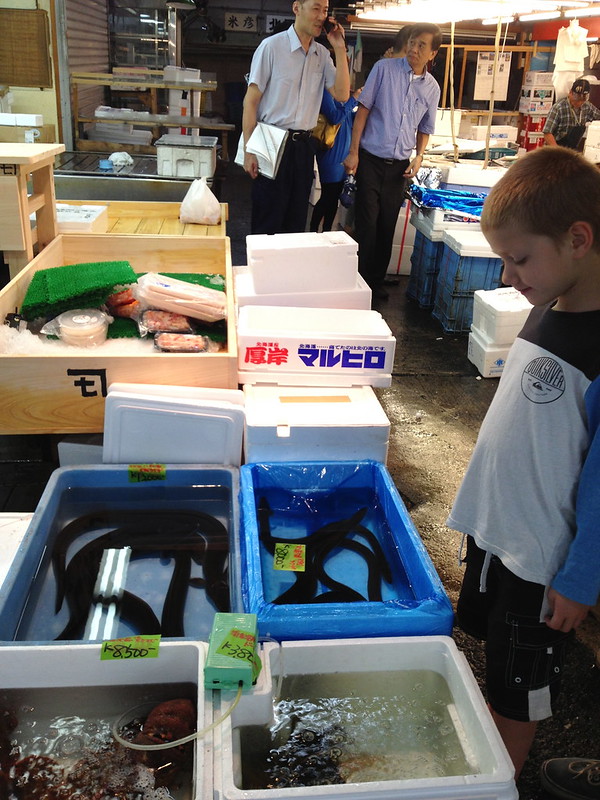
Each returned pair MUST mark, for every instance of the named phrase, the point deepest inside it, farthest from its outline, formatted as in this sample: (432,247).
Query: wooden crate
(58,393)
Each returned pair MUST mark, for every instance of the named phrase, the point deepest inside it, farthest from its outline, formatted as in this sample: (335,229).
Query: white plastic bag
(200,205)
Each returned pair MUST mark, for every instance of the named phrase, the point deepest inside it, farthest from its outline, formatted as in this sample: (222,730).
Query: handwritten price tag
(130,647)
(140,473)
(241,646)
(290,557)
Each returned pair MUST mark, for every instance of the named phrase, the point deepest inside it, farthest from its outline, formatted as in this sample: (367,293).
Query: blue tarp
(449,199)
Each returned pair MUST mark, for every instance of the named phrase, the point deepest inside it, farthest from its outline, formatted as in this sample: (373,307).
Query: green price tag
(290,557)
(130,647)
(140,473)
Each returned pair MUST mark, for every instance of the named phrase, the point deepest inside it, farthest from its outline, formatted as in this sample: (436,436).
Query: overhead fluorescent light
(494,20)
(590,11)
(540,15)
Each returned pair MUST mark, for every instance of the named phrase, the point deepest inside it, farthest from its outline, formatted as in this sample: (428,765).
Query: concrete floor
(436,403)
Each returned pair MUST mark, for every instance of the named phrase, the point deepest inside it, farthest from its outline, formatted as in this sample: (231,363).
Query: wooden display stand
(17,236)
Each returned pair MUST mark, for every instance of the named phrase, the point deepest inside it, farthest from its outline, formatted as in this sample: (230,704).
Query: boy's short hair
(427,27)
(545,192)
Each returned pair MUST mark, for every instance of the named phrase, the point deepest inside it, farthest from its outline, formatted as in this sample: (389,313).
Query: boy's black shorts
(524,656)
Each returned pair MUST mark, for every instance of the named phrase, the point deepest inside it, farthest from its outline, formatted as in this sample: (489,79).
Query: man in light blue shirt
(288,74)
(396,114)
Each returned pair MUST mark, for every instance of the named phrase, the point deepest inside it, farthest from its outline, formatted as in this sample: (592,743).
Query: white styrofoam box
(499,314)
(291,423)
(488,772)
(443,123)
(180,156)
(291,262)
(245,294)
(80,449)
(592,136)
(432,222)
(12,529)
(65,666)
(404,239)
(467,243)
(86,219)
(532,107)
(172,73)
(314,346)
(537,78)
(592,154)
(29,120)
(474,175)
(7,118)
(189,425)
(508,132)
(400,259)
(489,358)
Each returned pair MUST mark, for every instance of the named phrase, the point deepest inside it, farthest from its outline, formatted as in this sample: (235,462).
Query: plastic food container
(83,327)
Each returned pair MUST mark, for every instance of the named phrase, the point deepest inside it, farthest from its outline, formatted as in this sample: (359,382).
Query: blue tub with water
(73,578)
(329,551)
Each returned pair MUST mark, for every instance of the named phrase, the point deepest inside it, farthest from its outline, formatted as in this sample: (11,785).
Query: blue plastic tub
(28,595)
(425,265)
(295,500)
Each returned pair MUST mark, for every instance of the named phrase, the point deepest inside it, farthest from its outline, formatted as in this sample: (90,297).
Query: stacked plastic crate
(498,316)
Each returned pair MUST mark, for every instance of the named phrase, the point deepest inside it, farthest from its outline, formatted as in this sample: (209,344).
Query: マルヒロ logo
(543,380)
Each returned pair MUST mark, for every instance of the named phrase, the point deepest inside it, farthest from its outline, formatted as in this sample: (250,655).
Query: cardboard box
(60,393)
(81,218)
(384,665)
(40,134)
(292,423)
(537,78)
(533,107)
(538,93)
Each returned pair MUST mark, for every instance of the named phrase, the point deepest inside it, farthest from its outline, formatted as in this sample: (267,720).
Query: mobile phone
(328,25)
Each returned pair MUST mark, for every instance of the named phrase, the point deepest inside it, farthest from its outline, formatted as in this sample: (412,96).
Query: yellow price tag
(140,473)
(290,557)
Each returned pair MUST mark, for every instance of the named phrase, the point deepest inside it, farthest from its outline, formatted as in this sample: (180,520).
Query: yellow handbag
(324,132)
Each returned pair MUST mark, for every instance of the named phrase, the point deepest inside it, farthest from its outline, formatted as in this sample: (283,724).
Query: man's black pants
(281,205)
(380,188)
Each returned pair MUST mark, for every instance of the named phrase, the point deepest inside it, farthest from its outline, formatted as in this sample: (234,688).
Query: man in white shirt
(288,74)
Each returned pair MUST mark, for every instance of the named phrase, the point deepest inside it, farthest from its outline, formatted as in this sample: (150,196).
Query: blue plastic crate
(294,500)
(460,275)
(421,287)
(28,594)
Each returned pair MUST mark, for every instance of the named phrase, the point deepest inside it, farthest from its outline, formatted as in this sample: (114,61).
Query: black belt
(299,136)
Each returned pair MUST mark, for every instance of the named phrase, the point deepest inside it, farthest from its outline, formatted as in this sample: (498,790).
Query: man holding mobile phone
(288,73)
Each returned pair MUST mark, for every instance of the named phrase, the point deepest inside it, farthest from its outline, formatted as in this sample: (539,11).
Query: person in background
(396,113)
(566,120)
(398,49)
(529,502)
(331,161)
(288,73)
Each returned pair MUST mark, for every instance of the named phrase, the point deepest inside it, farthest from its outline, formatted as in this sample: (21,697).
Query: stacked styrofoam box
(467,264)
(506,132)
(81,219)
(443,126)
(403,242)
(498,316)
(471,177)
(304,423)
(308,270)
(314,346)
(592,142)
(182,156)
(430,224)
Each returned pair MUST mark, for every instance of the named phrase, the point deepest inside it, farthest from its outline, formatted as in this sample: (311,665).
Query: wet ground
(435,404)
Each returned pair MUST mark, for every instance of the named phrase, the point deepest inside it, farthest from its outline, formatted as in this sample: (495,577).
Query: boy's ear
(582,238)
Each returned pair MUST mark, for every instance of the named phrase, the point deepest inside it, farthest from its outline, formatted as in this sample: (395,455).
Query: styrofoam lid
(468,243)
(184,431)
(282,321)
(308,239)
(475,175)
(182,140)
(426,227)
(235,396)
(319,406)
(503,299)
